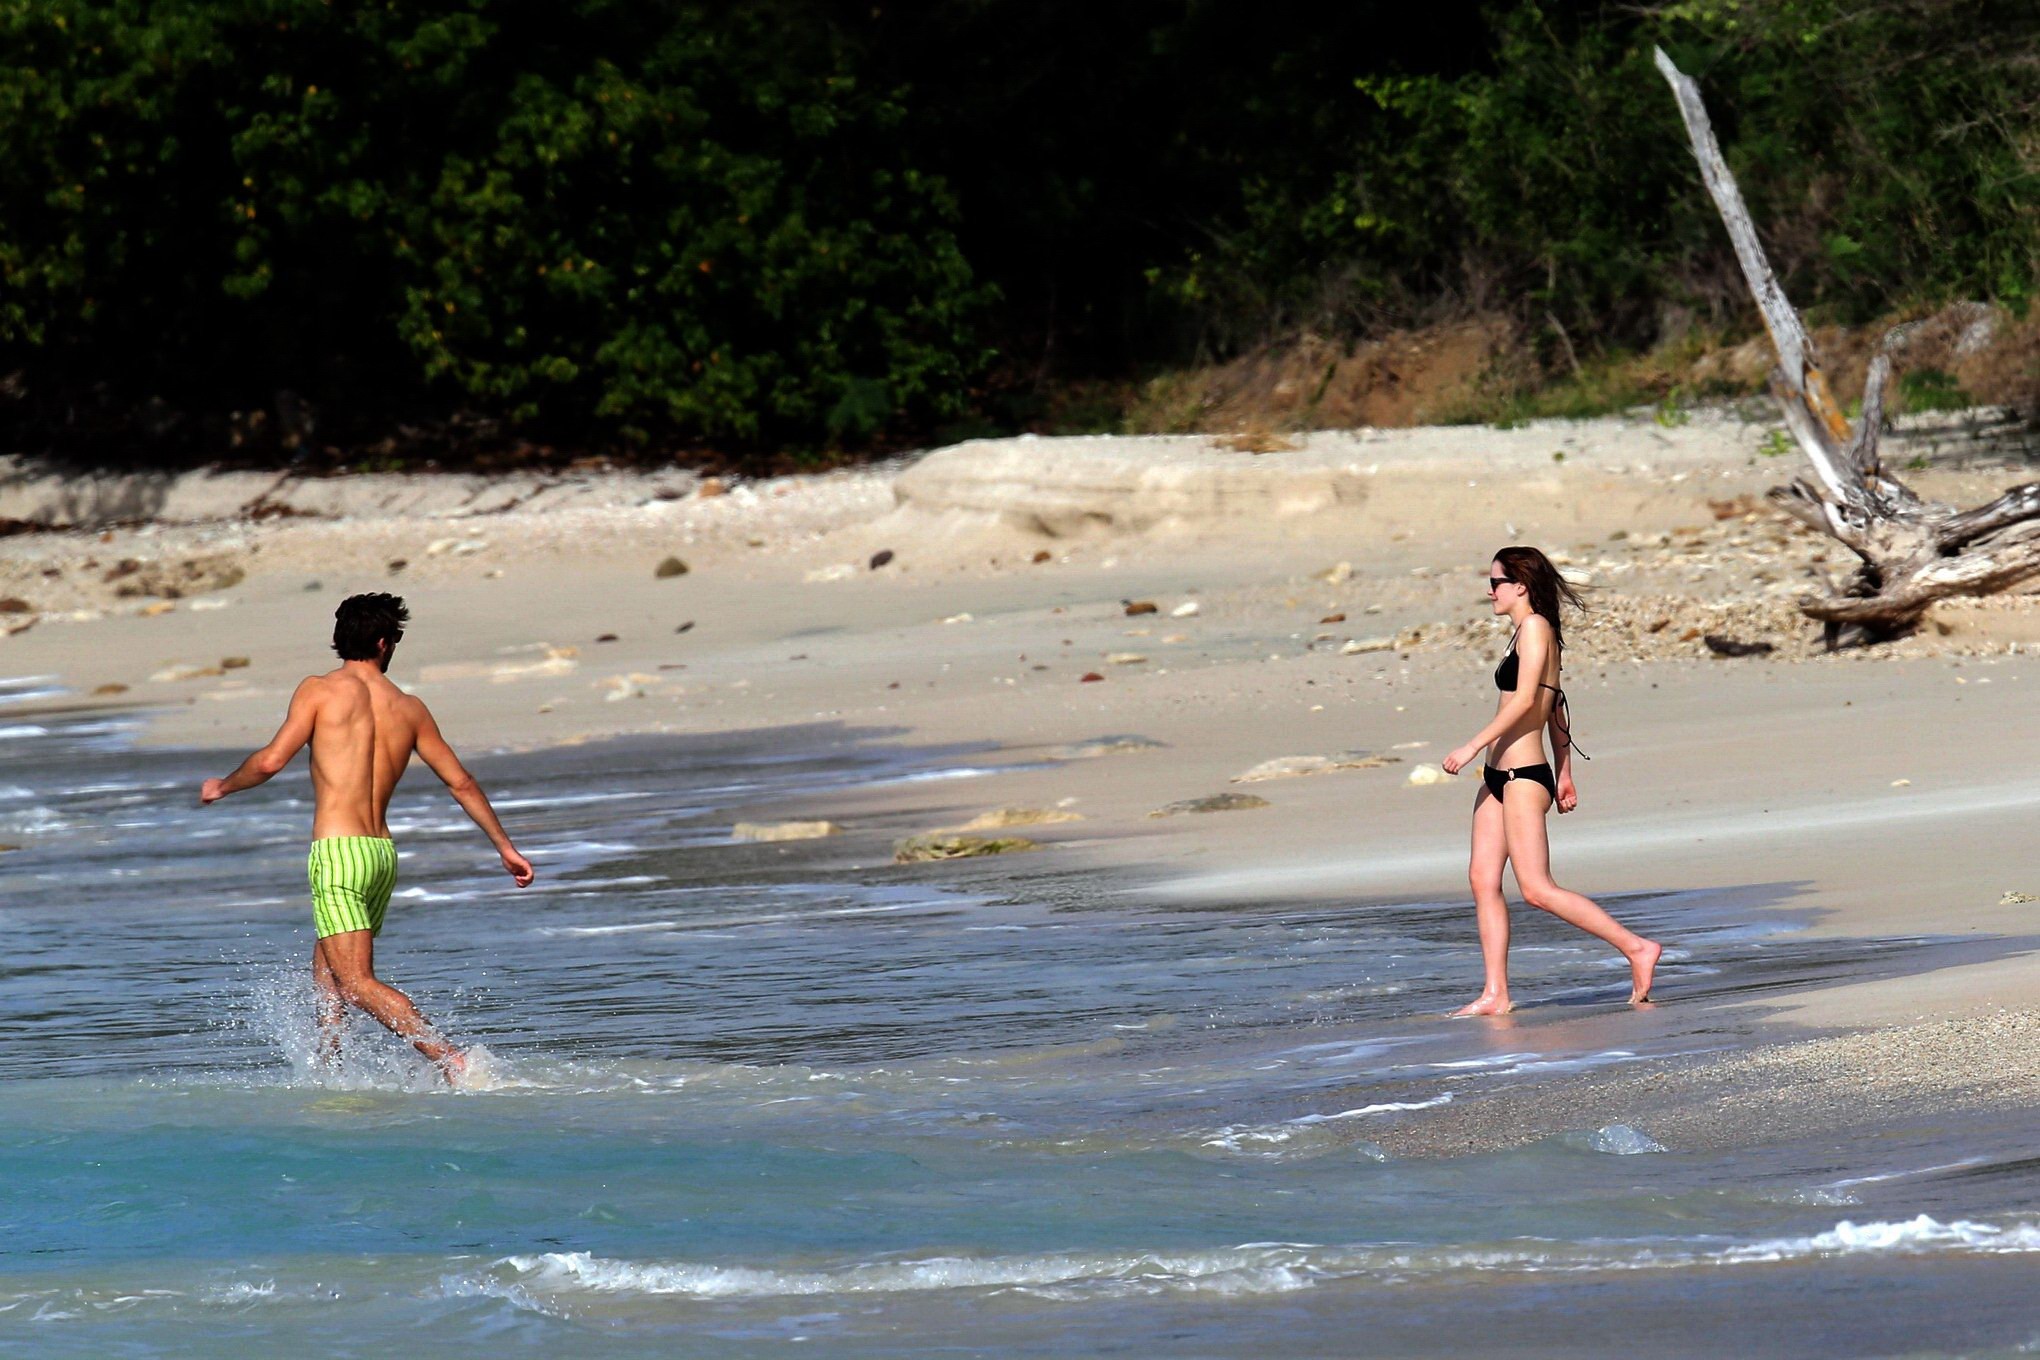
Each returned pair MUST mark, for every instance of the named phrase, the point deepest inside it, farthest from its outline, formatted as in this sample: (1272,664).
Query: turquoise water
(758,1102)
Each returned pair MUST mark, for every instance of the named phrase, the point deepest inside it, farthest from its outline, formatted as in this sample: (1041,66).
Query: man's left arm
(268,762)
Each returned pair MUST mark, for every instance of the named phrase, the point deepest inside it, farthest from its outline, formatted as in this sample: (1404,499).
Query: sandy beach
(1304,603)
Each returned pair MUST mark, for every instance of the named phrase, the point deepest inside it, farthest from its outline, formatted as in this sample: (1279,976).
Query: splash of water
(280,1011)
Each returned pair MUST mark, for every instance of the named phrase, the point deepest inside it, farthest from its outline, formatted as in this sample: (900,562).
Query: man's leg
(351,956)
(332,1007)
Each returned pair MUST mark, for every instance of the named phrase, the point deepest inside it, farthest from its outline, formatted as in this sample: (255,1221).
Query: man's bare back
(363,731)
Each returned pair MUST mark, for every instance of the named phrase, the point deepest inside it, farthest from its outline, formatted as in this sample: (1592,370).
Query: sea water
(759,1100)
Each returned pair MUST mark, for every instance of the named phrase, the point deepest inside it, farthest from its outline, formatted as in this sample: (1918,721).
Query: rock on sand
(1285,767)
(1221,802)
(948,845)
(784,831)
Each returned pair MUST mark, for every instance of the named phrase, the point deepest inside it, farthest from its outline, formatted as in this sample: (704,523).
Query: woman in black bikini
(1520,787)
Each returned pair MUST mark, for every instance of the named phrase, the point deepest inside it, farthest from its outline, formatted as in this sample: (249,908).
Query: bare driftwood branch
(1913,551)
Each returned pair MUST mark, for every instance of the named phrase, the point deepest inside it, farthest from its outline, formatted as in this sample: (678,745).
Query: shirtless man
(364,731)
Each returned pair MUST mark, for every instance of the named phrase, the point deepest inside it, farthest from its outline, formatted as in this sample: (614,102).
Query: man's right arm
(440,759)
(268,762)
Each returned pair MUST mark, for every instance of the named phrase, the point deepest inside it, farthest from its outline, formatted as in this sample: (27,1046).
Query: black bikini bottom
(1540,773)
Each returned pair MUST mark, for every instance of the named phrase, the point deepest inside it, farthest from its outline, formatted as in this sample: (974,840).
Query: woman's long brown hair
(1533,571)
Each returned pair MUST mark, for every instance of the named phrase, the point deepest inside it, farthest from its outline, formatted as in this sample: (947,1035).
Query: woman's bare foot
(1643,969)
(1487,1005)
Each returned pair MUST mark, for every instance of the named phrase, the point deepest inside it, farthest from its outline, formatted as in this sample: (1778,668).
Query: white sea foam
(546,1281)
(1268,1269)
(427,895)
(1290,1137)
(1964,1164)
(1385,1107)
(30,688)
(569,799)
(1915,1236)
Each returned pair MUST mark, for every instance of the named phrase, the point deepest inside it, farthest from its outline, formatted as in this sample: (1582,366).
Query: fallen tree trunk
(1913,551)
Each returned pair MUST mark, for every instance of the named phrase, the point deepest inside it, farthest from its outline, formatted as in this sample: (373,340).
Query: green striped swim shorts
(352,877)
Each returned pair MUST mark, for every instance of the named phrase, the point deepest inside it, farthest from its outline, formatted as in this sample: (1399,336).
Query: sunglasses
(1494,583)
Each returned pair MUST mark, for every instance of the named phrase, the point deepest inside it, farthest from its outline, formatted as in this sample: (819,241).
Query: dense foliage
(805,223)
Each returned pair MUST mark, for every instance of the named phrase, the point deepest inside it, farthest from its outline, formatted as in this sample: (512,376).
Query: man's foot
(1486,1005)
(1643,969)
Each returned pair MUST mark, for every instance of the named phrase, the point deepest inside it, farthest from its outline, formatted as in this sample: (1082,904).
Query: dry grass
(1488,370)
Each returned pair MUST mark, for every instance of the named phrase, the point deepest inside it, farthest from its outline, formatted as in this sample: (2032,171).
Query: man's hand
(521,872)
(1568,796)
(1460,759)
(211,791)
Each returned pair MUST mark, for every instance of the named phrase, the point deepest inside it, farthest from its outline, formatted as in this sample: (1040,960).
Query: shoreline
(1893,789)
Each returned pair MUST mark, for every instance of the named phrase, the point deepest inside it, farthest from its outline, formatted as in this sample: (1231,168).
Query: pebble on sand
(2013,899)
(184,671)
(1355,646)
(880,558)
(837,571)
(784,831)
(1337,574)
(1285,767)
(559,662)
(457,547)
(1429,774)
(1089,678)
(111,687)
(1220,802)
(1124,659)
(14,604)
(234,663)
(1186,610)
(669,568)
(1134,607)
(948,845)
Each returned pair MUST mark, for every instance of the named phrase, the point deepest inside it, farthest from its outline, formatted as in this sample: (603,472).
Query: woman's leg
(1523,809)
(1490,909)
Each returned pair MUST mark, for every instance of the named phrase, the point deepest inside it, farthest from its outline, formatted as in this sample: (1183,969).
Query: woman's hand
(1568,796)
(1461,758)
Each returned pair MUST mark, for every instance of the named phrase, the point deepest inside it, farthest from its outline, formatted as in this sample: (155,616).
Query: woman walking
(1520,786)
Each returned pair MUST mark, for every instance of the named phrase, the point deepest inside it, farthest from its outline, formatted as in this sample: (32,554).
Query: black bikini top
(1505,681)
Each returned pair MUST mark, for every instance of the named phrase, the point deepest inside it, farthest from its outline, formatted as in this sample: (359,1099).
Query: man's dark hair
(361,621)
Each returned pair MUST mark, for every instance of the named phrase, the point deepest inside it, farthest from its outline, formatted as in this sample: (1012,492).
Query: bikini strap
(1562,712)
